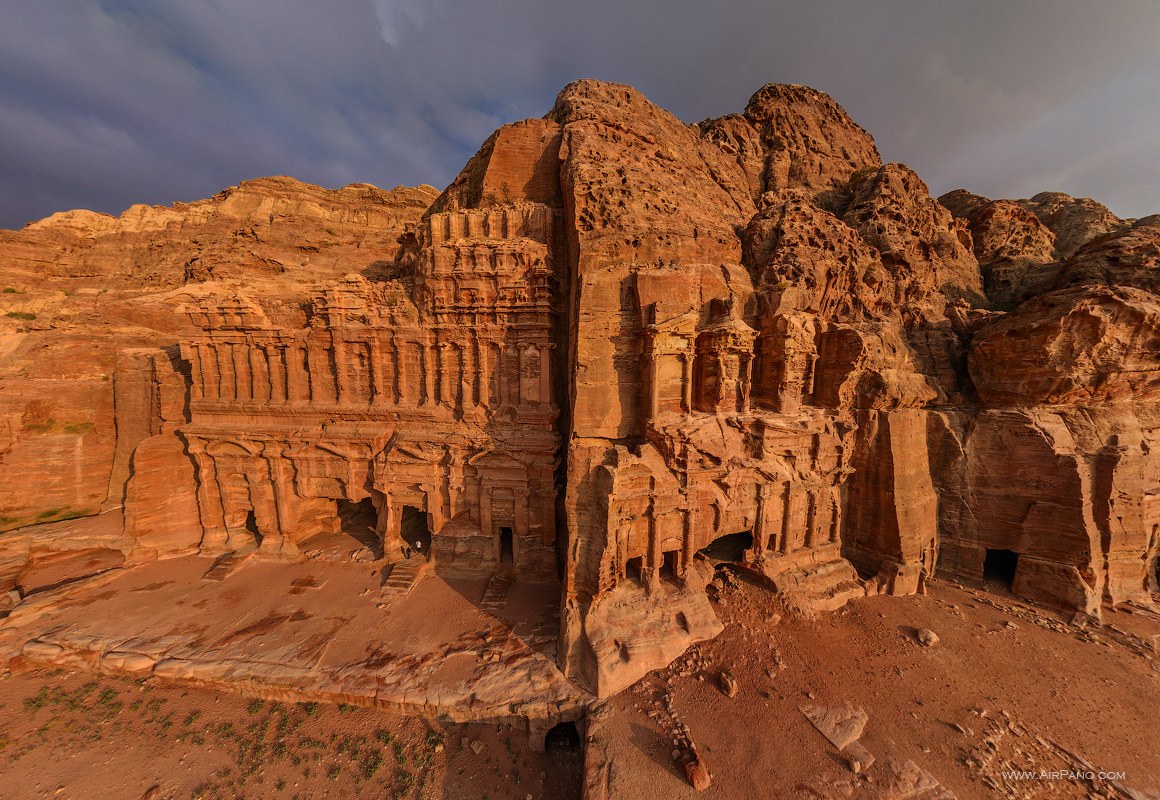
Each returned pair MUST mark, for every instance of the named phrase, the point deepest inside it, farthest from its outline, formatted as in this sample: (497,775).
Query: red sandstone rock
(1075,221)
(1015,250)
(624,348)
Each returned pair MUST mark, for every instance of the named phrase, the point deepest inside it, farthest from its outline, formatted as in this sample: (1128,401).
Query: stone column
(654,557)
(277,373)
(401,371)
(836,514)
(760,526)
(427,369)
(260,373)
(548,522)
(485,515)
(223,358)
(776,501)
(746,378)
(811,505)
(341,369)
(209,502)
(688,540)
(520,528)
(479,371)
(285,500)
(687,381)
(297,377)
(192,353)
(794,518)
(546,373)
(377,368)
(467,374)
(654,403)
(243,381)
(444,354)
(501,381)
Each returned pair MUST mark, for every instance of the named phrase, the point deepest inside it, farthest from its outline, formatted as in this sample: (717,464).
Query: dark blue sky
(108,103)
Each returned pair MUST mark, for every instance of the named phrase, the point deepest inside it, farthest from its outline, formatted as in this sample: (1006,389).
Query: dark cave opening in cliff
(730,547)
(359,521)
(634,569)
(252,526)
(563,736)
(999,566)
(414,530)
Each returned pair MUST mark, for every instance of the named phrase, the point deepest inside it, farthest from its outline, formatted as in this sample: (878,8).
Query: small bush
(27,316)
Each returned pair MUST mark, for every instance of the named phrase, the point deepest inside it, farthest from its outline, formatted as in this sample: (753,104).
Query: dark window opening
(669,566)
(729,548)
(506,546)
(635,569)
(563,736)
(359,521)
(414,530)
(999,567)
(252,526)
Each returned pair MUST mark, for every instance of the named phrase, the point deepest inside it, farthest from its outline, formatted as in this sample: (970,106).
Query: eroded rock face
(1015,249)
(1075,221)
(1077,347)
(619,349)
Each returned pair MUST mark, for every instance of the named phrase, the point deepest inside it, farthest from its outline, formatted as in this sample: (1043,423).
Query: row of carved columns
(302,372)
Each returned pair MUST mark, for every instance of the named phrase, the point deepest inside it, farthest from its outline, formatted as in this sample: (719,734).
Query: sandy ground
(1006,687)
(82,736)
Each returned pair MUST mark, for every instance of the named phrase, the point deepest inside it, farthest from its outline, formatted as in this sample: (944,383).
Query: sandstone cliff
(78,288)
(635,346)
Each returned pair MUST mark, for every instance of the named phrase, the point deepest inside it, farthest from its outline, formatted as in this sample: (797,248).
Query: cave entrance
(563,737)
(731,547)
(359,521)
(252,526)
(507,552)
(669,566)
(634,569)
(413,529)
(999,566)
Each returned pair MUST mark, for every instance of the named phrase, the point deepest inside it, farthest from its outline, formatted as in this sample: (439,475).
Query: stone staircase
(496,595)
(226,566)
(403,577)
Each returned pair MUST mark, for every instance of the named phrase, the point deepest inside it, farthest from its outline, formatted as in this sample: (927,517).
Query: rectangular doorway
(507,550)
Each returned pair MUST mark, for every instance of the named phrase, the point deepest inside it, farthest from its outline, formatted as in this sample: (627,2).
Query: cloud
(104,104)
(396,15)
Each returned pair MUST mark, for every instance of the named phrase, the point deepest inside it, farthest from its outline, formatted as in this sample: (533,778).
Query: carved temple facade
(433,403)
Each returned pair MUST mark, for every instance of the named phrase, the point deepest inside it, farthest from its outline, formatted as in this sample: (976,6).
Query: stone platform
(311,631)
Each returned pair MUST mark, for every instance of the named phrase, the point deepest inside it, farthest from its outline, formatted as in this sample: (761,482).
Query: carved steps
(496,595)
(403,577)
(226,566)
(816,588)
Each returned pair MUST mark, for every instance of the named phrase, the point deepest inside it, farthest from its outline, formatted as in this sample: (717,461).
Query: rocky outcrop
(263,227)
(1127,257)
(1015,250)
(1075,221)
(1077,347)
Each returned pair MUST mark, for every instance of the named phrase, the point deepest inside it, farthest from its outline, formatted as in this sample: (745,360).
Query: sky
(107,103)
